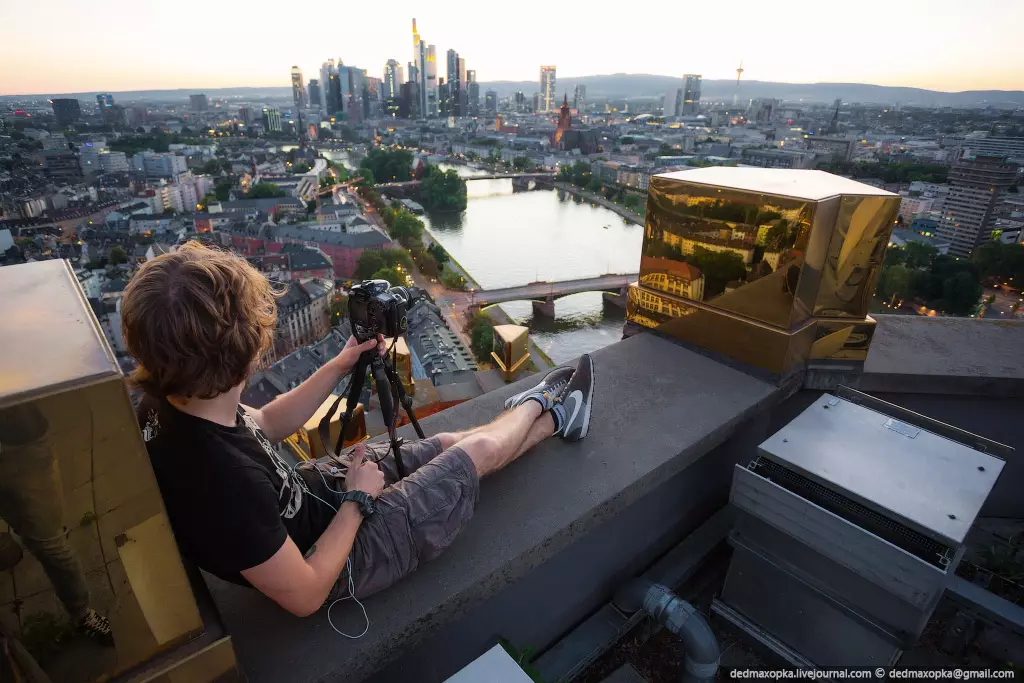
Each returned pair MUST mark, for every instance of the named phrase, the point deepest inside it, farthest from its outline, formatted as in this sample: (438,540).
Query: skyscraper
(455,84)
(198,102)
(66,110)
(472,93)
(444,98)
(491,102)
(690,95)
(272,120)
(579,98)
(425,58)
(315,97)
(391,86)
(975,186)
(431,80)
(325,83)
(547,89)
(298,89)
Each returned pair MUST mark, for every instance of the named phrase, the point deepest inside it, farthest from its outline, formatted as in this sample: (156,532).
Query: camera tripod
(390,392)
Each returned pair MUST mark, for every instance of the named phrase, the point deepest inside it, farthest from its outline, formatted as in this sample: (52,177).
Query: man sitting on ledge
(198,320)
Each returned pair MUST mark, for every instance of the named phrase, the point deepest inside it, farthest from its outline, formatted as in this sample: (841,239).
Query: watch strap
(362,499)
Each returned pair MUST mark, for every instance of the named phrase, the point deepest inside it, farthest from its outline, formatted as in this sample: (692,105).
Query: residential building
(838,149)
(198,102)
(294,262)
(303,314)
(66,110)
(910,206)
(60,163)
(777,158)
(272,119)
(298,89)
(159,164)
(491,102)
(975,186)
(1011,148)
(547,101)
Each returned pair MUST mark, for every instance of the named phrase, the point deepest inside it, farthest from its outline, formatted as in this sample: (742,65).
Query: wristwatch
(366,504)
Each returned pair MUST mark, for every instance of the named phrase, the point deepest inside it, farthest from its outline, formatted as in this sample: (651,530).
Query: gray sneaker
(545,392)
(572,411)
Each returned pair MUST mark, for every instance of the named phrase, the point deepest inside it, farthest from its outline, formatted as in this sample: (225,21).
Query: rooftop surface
(801,184)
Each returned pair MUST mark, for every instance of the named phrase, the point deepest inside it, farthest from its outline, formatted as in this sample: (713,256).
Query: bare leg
(542,428)
(499,443)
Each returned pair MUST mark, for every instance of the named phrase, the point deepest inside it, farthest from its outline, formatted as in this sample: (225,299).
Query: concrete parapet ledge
(658,408)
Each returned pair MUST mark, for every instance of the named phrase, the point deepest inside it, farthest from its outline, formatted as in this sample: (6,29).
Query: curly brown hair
(196,320)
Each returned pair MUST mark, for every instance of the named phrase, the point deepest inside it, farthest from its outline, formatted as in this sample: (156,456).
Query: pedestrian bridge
(543,294)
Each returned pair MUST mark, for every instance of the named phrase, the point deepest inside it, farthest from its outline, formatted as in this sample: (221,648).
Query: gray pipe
(681,618)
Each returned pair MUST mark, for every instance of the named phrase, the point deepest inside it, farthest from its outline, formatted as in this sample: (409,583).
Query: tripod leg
(387,408)
(355,388)
(404,399)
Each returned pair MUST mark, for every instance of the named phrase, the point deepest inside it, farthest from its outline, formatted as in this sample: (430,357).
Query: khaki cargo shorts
(417,517)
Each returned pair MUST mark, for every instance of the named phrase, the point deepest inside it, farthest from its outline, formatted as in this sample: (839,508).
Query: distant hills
(648,86)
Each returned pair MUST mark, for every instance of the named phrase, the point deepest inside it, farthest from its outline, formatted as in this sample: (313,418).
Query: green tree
(481,334)
(265,190)
(894,281)
(338,307)
(118,256)
(366,176)
(388,166)
(631,202)
(520,163)
(439,253)
(300,168)
(212,167)
(453,280)
(226,165)
(392,275)
(222,190)
(443,190)
(960,294)
(1004,262)
(594,185)
(406,228)
(719,269)
(370,261)
(919,254)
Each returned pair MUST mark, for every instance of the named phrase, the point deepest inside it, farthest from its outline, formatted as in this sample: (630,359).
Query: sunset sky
(57,46)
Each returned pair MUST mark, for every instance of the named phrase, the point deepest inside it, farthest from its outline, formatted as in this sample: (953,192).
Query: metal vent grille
(900,535)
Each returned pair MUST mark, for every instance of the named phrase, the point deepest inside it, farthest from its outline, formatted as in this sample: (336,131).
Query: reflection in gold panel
(776,351)
(855,255)
(842,339)
(78,498)
(764,248)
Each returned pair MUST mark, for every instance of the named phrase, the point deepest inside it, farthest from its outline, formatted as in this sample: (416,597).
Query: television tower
(736,95)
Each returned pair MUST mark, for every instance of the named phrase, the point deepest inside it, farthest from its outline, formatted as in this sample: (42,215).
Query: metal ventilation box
(850,521)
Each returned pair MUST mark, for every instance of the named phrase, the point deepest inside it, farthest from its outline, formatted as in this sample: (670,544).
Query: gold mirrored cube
(82,521)
(760,253)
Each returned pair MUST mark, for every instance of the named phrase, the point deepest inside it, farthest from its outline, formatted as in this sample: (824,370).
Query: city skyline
(979,47)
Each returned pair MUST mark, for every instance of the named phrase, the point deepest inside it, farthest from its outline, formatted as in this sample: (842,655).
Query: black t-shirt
(223,493)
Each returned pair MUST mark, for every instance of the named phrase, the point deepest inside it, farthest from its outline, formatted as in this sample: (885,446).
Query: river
(504,239)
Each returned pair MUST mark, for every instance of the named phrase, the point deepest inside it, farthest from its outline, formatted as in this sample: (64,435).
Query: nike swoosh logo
(577,402)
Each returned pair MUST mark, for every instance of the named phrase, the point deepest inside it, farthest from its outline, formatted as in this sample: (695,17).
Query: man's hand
(349,356)
(364,476)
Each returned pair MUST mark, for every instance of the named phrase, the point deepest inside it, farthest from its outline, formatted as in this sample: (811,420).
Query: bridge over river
(543,294)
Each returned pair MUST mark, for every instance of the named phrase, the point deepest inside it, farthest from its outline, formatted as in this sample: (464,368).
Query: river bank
(460,301)
(630,216)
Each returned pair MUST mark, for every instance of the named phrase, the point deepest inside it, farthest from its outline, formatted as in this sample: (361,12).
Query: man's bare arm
(285,414)
(301,584)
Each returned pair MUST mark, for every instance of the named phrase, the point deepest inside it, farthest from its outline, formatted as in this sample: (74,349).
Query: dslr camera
(375,307)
